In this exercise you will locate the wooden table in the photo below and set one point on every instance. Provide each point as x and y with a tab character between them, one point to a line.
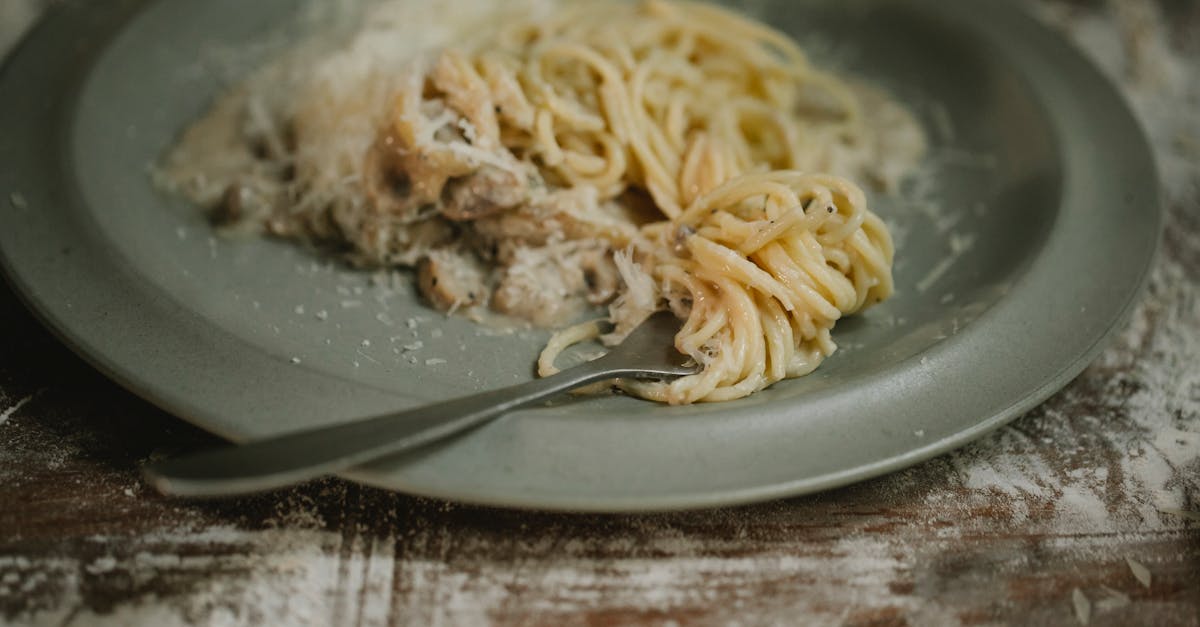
1033	525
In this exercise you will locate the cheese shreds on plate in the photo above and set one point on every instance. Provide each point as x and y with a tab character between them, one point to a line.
18	201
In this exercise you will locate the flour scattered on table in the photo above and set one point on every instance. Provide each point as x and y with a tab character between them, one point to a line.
1140	572
102	565
1115	600
1083	607
22	402
1175	511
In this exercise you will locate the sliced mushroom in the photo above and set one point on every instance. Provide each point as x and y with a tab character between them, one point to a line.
487	192
451	279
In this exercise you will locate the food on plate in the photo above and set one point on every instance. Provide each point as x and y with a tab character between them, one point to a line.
543	158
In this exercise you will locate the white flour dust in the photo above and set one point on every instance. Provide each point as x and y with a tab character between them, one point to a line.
18	405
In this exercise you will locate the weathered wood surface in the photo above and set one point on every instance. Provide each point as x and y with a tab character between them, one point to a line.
1026	527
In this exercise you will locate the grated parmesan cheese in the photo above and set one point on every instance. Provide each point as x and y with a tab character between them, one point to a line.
637	303
18	201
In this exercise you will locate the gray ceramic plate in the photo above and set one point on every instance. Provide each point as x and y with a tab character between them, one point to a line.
1041	193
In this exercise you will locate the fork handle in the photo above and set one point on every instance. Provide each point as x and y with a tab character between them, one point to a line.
297	457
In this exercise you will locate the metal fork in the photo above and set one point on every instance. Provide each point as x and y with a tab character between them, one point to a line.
648	353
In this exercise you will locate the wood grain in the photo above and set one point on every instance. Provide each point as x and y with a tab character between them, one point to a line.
1002	532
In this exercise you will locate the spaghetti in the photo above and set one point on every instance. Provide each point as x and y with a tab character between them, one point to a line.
646	155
